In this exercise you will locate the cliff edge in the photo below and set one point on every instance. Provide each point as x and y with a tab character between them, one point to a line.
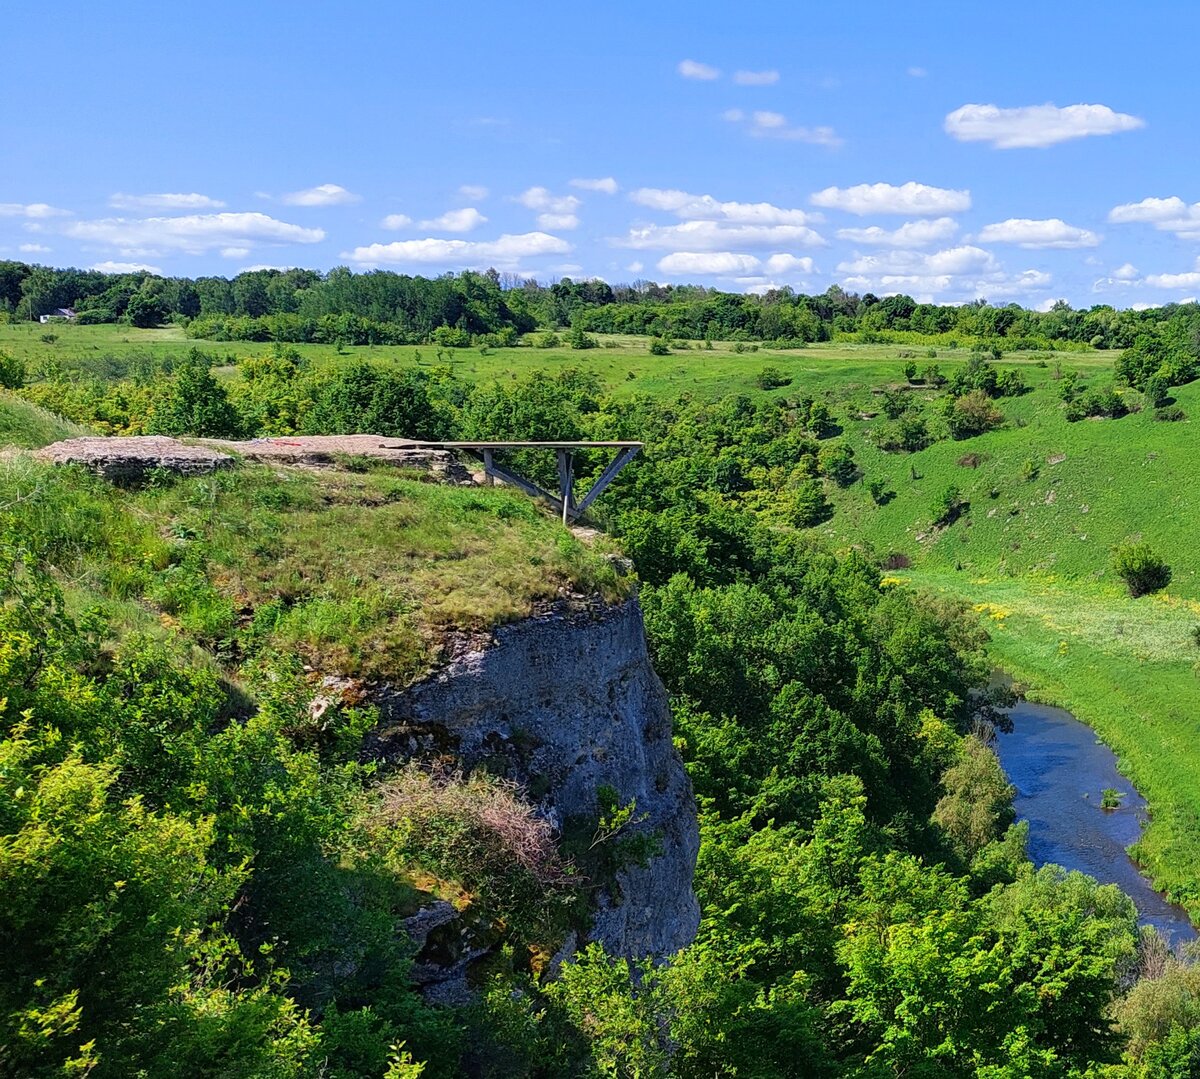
567	703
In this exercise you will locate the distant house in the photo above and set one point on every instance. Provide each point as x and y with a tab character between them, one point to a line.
59	314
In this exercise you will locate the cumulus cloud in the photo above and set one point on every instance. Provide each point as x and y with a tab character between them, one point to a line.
783	264
756	78
764	124
397	221
722	263
706	208
719	236
1188	279
321	195
557	221
920	233
126	267
635	267
964	272
909	198
1035	125
34	249
474	192
1126	272
166	201
234	252
693	69
1048	304
606	185
1168	215
540	199
1024	232
193	234
31	210
451	221
506	250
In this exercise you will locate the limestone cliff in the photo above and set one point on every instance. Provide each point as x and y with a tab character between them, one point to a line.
565	703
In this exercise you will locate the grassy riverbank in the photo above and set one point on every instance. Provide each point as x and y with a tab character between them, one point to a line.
1129	669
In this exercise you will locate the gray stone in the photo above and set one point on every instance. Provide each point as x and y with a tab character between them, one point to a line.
130	460
566	703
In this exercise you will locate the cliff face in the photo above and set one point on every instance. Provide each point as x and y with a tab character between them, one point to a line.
566	704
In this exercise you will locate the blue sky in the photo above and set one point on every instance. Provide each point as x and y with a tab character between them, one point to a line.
1026	152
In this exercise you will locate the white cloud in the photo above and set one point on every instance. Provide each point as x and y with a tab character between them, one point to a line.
1035	125
954	260
774	125
1143	306
194	234
784	264
234	252
451	221
1168	215
474	192
706	208
557	221
606	185
1190	279
1126	272
1048	303
722	263
167	201
635	267
693	69
32	210
540	199
126	267
909	198
718	236
920	233
1024	232
756	78
964	272
397	221
507	249
321	195
266	266
917	72
34	249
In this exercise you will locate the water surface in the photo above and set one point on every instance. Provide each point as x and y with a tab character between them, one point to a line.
1060	769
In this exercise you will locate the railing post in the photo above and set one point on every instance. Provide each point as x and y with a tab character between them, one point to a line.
487	468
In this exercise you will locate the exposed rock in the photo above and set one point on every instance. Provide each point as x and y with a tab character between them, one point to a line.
564	703
325	451
130	460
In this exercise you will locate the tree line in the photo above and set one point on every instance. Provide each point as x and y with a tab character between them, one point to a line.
383	307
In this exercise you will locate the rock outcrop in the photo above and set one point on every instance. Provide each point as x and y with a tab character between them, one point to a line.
130	460
566	703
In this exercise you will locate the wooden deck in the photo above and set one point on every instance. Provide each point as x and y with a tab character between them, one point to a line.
564	503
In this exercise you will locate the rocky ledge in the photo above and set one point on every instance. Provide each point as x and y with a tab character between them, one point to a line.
131	460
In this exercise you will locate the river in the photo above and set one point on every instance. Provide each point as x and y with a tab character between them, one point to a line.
1060	769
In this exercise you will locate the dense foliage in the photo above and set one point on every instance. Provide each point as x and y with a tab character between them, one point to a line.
383	307
201	878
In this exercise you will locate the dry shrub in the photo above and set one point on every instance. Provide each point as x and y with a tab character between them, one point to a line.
897	560
477	830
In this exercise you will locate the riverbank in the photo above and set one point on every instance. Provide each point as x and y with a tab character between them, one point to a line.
1061	771
1126	668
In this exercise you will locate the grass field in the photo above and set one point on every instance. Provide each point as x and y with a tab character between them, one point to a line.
623	364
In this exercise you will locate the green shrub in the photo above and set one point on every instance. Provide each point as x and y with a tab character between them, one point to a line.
1142	570
771	378
659	347
1170	414
12	371
948	506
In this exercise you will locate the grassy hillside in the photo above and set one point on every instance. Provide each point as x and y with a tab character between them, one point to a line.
24	424
624	364
358	573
